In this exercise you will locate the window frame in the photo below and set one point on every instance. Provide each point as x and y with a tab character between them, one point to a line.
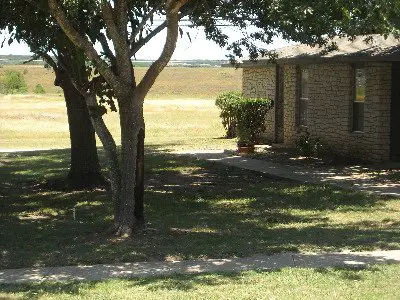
358	107
303	100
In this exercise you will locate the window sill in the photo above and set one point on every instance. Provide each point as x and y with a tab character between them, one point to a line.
357	132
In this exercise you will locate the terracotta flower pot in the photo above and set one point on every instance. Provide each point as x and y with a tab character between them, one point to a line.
245	149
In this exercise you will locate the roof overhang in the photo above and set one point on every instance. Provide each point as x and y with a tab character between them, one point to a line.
358	50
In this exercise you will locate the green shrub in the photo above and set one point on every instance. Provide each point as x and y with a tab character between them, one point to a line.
307	146
13	82
243	117
227	102
39	89
250	118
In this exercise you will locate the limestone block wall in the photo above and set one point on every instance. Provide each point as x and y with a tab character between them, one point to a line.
290	110
261	83
377	111
330	108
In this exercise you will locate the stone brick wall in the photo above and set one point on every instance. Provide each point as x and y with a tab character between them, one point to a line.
261	83
330	109
290	92
330	106
377	111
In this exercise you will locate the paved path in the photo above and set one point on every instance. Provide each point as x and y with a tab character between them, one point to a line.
148	269
319	175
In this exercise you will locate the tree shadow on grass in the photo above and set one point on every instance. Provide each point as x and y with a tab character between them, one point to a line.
180	282
37	291
195	209
183	282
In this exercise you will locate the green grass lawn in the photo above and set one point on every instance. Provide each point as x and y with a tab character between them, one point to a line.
195	210
378	282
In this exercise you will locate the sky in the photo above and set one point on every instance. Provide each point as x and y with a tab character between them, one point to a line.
198	48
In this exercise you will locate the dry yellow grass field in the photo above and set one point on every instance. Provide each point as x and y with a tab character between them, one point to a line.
173	82
197	83
34	75
40	122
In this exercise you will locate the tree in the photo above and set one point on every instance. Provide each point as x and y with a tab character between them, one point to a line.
316	22
27	23
116	71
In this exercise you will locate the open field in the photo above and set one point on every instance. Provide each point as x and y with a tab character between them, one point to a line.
165	124
173	82
34	75
380	282
40	122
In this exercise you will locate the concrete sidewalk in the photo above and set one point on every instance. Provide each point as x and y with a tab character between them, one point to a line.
318	175
149	269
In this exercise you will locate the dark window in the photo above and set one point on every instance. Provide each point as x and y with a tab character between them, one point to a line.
359	99
303	101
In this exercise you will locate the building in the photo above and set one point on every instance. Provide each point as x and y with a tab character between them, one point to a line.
348	98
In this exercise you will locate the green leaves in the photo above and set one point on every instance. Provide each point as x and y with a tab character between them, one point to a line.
13	82
242	116
250	117
228	102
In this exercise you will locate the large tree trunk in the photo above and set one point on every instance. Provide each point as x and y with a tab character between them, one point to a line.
85	170
126	176
132	165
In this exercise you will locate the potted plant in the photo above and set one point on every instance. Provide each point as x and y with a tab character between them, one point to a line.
245	147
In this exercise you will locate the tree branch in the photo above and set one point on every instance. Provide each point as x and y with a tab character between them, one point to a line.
137	46
118	34
48	59
107	51
172	8
83	43
121	9
139	28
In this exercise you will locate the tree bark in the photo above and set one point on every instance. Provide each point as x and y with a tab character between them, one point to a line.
110	149
132	155
126	176
139	185
85	170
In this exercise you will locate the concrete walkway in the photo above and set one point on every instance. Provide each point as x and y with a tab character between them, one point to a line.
318	175
357	260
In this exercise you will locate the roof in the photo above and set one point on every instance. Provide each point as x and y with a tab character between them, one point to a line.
360	49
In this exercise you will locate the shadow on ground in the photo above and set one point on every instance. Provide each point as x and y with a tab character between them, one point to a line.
320	279
194	209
